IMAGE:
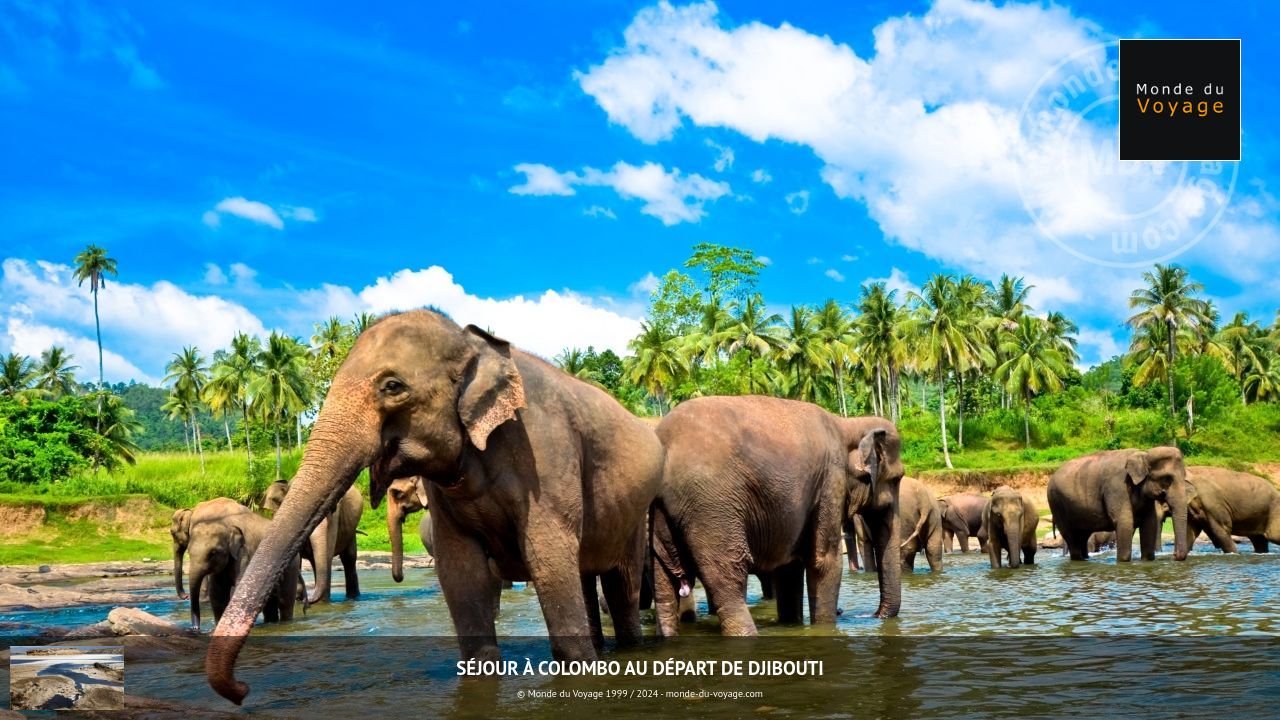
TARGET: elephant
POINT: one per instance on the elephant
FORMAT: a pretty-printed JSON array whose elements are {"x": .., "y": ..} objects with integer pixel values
[
  {"x": 180, "y": 529},
  {"x": 1118, "y": 490},
  {"x": 920, "y": 524},
  {"x": 1010, "y": 519},
  {"x": 544, "y": 474},
  {"x": 406, "y": 496},
  {"x": 336, "y": 536},
  {"x": 961, "y": 518},
  {"x": 1224, "y": 503},
  {"x": 220, "y": 550},
  {"x": 274, "y": 497},
  {"x": 1100, "y": 541},
  {"x": 762, "y": 484}
]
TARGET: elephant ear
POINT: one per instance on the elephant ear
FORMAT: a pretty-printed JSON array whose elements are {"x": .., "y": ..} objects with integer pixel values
[
  {"x": 421, "y": 489},
  {"x": 235, "y": 544},
  {"x": 1136, "y": 468},
  {"x": 492, "y": 389},
  {"x": 866, "y": 459}
]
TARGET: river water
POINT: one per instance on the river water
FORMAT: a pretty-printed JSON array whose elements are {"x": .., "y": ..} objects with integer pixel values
[{"x": 1055, "y": 639}]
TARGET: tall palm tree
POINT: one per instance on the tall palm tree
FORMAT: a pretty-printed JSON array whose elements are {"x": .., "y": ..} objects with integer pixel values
[
  {"x": 1007, "y": 302},
  {"x": 1242, "y": 341},
  {"x": 189, "y": 375},
  {"x": 754, "y": 330},
  {"x": 232, "y": 378},
  {"x": 973, "y": 297},
  {"x": 836, "y": 333},
  {"x": 220, "y": 397},
  {"x": 657, "y": 363},
  {"x": 362, "y": 322},
  {"x": 1035, "y": 364},
  {"x": 280, "y": 389},
  {"x": 948, "y": 338},
  {"x": 55, "y": 375},
  {"x": 1061, "y": 332},
  {"x": 94, "y": 265},
  {"x": 803, "y": 356},
  {"x": 331, "y": 335},
  {"x": 880, "y": 344},
  {"x": 116, "y": 437},
  {"x": 1169, "y": 299},
  {"x": 180, "y": 406},
  {"x": 16, "y": 374},
  {"x": 1263, "y": 378}
]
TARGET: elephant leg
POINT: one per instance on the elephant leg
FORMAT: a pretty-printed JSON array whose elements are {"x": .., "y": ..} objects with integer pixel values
[
  {"x": 767, "y": 591},
  {"x": 688, "y": 608},
  {"x": 993, "y": 552},
  {"x": 470, "y": 590},
  {"x": 271, "y": 611},
  {"x": 726, "y": 592},
  {"x": 1075, "y": 541},
  {"x": 220, "y": 594},
  {"x": 933, "y": 551},
  {"x": 622, "y": 593},
  {"x": 909, "y": 559},
  {"x": 1220, "y": 535},
  {"x": 946, "y": 541},
  {"x": 962, "y": 538},
  {"x": 1259, "y": 544},
  {"x": 592, "y": 600},
  {"x": 823, "y": 577},
  {"x": 665, "y": 601},
  {"x": 349, "y": 574},
  {"x": 1149, "y": 534},
  {"x": 552, "y": 559},
  {"x": 1124, "y": 534},
  {"x": 789, "y": 588}
]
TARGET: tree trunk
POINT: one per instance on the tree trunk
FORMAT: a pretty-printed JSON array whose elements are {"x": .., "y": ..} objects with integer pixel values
[
  {"x": 195, "y": 425},
  {"x": 879, "y": 393},
  {"x": 276, "y": 426},
  {"x": 226, "y": 425},
  {"x": 298, "y": 429},
  {"x": 186, "y": 436},
  {"x": 97, "y": 421},
  {"x": 942, "y": 416},
  {"x": 248, "y": 444},
  {"x": 960, "y": 409},
  {"x": 1168, "y": 373},
  {"x": 1026, "y": 420},
  {"x": 844, "y": 409}
]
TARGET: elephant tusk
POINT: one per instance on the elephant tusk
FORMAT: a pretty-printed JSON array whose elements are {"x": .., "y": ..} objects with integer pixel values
[{"x": 684, "y": 588}]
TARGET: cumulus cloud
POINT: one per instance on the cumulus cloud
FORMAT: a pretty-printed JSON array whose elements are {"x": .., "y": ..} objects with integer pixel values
[
  {"x": 798, "y": 202},
  {"x": 26, "y": 337},
  {"x": 897, "y": 280},
  {"x": 924, "y": 131},
  {"x": 1096, "y": 346},
  {"x": 645, "y": 285},
  {"x": 669, "y": 196},
  {"x": 256, "y": 212},
  {"x": 848, "y": 258},
  {"x": 761, "y": 176},
  {"x": 213, "y": 274},
  {"x": 599, "y": 211},
  {"x": 724, "y": 156},
  {"x": 834, "y": 275}
]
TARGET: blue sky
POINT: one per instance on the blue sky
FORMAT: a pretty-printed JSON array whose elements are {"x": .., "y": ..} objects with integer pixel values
[{"x": 530, "y": 167}]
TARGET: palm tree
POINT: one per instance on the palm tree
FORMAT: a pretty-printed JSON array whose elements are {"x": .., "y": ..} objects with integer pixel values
[
  {"x": 880, "y": 343},
  {"x": 16, "y": 374},
  {"x": 1169, "y": 299},
  {"x": 947, "y": 338},
  {"x": 94, "y": 265},
  {"x": 1007, "y": 302},
  {"x": 232, "y": 378},
  {"x": 836, "y": 333},
  {"x": 803, "y": 356},
  {"x": 330, "y": 338},
  {"x": 116, "y": 437},
  {"x": 972, "y": 297},
  {"x": 574, "y": 362},
  {"x": 55, "y": 375},
  {"x": 1035, "y": 364},
  {"x": 180, "y": 407},
  {"x": 362, "y": 322},
  {"x": 280, "y": 389},
  {"x": 189, "y": 375},
  {"x": 753, "y": 330},
  {"x": 1263, "y": 379},
  {"x": 1061, "y": 331},
  {"x": 657, "y": 363},
  {"x": 1242, "y": 341}
]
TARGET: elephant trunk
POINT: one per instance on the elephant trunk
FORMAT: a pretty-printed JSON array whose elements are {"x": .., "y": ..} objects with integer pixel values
[
  {"x": 1013, "y": 538},
  {"x": 395, "y": 528},
  {"x": 178, "y": 550},
  {"x": 1177, "y": 499},
  {"x": 321, "y": 560},
  {"x": 343, "y": 442},
  {"x": 197, "y": 581}
]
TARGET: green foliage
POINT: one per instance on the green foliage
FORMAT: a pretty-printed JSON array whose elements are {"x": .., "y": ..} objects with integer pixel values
[{"x": 43, "y": 441}]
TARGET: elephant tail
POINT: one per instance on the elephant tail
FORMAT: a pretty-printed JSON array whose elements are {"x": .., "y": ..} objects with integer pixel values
[{"x": 666, "y": 548}]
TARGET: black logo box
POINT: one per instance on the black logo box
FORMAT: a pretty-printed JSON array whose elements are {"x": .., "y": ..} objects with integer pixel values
[{"x": 1186, "y": 68}]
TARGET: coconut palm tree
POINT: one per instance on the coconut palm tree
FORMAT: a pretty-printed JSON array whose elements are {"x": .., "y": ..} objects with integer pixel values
[
  {"x": 1169, "y": 299},
  {"x": 948, "y": 338},
  {"x": 1034, "y": 364},
  {"x": 1062, "y": 331},
  {"x": 836, "y": 332},
  {"x": 94, "y": 265},
  {"x": 16, "y": 375},
  {"x": 973, "y": 297},
  {"x": 55, "y": 375},
  {"x": 1242, "y": 340},
  {"x": 753, "y": 330},
  {"x": 189, "y": 375},
  {"x": 219, "y": 397},
  {"x": 179, "y": 406},
  {"x": 330, "y": 338},
  {"x": 574, "y": 362},
  {"x": 657, "y": 363},
  {"x": 232, "y": 378},
  {"x": 115, "y": 440},
  {"x": 1263, "y": 379},
  {"x": 280, "y": 390},
  {"x": 879, "y": 343},
  {"x": 362, "y": 322},
  {"x": 803, "y": 357}
]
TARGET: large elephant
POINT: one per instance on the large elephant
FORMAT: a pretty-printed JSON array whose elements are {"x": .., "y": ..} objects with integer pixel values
[
  {"x": 180, "y": 530},
  {"x": 1224, "y": 502},
  {"x": 1010, "y": 519},
  {"x": 1119, "y": 490},
  {"x": 961, "y": 518},
  {"x": 220, "y": 551},
  {"x": 336, "y": 536},
  {"x": 404, "y": 497},
  {"x": 919, "y": 525},
  {"x": 761, "y": 484},
  {"x": 542, "y": 473}
]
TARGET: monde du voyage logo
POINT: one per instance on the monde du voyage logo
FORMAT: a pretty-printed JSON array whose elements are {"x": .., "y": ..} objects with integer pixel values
[{"x": 1180, "y": 100}]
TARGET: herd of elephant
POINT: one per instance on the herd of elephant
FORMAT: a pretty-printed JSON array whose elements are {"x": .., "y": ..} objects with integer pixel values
[{"x": 533, "y": 475}]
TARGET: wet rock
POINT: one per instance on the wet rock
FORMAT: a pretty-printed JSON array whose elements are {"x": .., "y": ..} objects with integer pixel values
[
  {"x": 130, "y": 621},
  {"x": 44, "y": 569},
  {"x": 43, "y": 597},
  {"x": 1050, "y": 542}
]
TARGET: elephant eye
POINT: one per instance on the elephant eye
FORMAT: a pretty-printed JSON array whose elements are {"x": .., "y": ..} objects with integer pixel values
[{"x": 393, "y": 387}]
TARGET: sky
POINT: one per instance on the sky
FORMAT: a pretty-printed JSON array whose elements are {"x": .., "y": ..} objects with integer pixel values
[{"x": 534, "y": 167}]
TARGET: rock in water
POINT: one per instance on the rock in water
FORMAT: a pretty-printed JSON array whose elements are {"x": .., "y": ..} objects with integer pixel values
[{"x": 132, "y": 621}]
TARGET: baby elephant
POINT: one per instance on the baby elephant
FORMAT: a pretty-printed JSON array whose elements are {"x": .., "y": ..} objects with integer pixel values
[
  {"x": 220, "y": 551},
  {"x": 1010, "y": 519}
]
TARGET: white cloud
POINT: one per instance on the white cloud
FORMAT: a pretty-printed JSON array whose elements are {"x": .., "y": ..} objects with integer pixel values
[
  {"x": 898, "y": 281},
  {"x": 599, "y": 211},
  {"x": 251, "y": 210},
  {"x": 301, "y": 214},
  {"x": 834, "y": 275},
  {"x": 798, "y": 202},
  {"x": 672, "y": 197},
  {"x": 645, "y": 285},
  {"x": 29, "y": 338},
  {"x": 761, "y": 176},
  {"x": 245, "y": 277},
  {"x": 213, "y": 274},
  {"x": 724, "y": 156},
  {"x": 44, "y": 303},
  {"x": 541, "y": 179},
  {"x": 765, "y": 260},
  {"x": 545, "y": 325},
  {"x": 212, "y": 219},
  {"x": 848, "y": 258},
  {"x": 1096, "y": 346}
]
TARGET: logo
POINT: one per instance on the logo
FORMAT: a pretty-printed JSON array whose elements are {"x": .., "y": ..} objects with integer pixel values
[{"x": 1180, "y": 100}]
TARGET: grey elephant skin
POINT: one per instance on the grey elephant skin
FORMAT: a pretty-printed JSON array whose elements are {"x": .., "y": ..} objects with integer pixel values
[
  {"x": 760, "y": 484},
  {"x": 335, "y": 536},
  {"x": 1011, "y": 519},
  {"x": 180, "y": 530},
  {"x": 919, "y": 525},
  {"x": 1225, "y": 502},
  {"x": 1118, "y": 491},
  {"x": 542, "y": 473},
  {"x": 406, "y": 496},
  {"x": 961, "y": 519},
  {"x": 220, "y": 550},
  {"x": 273, "y": 498}
]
